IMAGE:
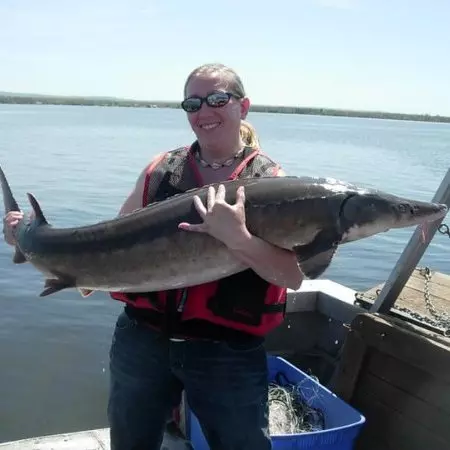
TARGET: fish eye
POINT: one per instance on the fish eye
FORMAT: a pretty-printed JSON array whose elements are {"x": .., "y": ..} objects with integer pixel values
[{"x": 406, "y": 207}]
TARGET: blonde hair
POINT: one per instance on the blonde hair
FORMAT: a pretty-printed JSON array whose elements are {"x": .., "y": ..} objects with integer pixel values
[
  {"x": 249, "y": 135},
  {"x": 247, "y": 132}
]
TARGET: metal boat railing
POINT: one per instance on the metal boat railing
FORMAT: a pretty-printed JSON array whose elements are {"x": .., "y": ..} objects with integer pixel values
[{"x": 411, "y": 255}]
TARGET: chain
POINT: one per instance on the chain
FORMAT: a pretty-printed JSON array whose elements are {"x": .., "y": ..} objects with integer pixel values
[
  {"x": 441, "y": 320},
  {"x": 444, "y": 229}
]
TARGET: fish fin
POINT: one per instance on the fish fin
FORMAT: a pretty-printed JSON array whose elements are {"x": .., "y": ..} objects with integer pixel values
[
  {"x": 53, "y": 285},
  {"x": 19, "y": 257},
  {"x": 315, "y": 257},
  {"x": 85, "y": 292},
  {"x": 315, "y": 266},
  {"x": 39, "y": 215},
  {"x": 325, "y": 240}
]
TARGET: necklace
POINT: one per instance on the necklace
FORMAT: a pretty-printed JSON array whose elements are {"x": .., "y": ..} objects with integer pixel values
[{"x": 217, "y": 165}]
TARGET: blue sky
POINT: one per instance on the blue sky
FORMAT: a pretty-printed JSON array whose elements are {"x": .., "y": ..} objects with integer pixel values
[{"x": 391, "y": 55}]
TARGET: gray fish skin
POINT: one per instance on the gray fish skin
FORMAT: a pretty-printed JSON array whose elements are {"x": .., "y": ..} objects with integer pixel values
[{"x": 146, "y": 251}]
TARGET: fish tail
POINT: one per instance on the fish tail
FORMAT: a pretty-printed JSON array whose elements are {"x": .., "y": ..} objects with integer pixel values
[
  {"x": 10, "y": 204},
  {"x": 8, "y": 198}
]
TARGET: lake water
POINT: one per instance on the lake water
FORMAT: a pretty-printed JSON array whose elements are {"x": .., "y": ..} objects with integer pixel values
[{"x": 81, "y": 162}]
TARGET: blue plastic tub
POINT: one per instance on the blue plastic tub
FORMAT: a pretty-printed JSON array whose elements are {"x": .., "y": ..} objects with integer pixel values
[{"x": 342, "y": 422}]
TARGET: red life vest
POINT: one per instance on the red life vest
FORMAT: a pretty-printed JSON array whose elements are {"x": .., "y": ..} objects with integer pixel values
[{"x": 240, "y": 303}]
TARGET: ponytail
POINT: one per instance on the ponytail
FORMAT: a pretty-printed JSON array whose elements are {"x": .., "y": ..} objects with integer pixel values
[{"x": 249, "y": 135}]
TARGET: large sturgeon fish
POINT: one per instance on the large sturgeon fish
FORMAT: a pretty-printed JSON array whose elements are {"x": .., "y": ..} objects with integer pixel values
[{"x": 146, "y": 251}]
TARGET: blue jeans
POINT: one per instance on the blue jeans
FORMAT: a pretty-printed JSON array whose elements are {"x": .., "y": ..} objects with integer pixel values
[{"x": 225, "y": 384}]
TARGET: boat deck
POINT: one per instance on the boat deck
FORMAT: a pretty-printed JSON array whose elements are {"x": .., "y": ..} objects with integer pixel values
[
  {"x": 412, "y": 298},
  {"x": 84, "y": 440}
]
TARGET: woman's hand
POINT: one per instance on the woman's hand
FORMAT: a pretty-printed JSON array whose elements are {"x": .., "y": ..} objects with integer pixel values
[
  {"x": 10, "y": 221},
  {"x": 227, "y": 223},
  {"x": 221, "y": 220}
]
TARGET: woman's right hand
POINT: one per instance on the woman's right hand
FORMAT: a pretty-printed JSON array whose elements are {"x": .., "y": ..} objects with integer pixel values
[{"x": 10, "y": 221}]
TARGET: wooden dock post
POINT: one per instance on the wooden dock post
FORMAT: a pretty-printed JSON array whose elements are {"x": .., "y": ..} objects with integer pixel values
[{"x": 411, "y": 255}]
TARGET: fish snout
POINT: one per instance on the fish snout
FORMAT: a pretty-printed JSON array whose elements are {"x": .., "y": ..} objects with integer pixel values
[{"x": 421, "y": 211}]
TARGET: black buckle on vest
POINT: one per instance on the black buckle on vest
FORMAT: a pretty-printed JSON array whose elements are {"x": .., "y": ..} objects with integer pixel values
[{"x": 243, "y": 310}]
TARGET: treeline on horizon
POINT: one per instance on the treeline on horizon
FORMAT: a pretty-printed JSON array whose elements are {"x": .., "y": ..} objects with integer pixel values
[{"x": 111, "y": 102}]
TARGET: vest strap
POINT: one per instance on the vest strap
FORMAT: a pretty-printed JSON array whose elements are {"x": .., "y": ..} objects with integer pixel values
[
  {"x": 172, "y": 316},
  {"x": 191, "y": 329},
  {"x": 151, "y": 297}
]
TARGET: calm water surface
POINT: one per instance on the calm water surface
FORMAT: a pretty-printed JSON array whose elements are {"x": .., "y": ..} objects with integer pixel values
[{"x": 81, "y": 162}]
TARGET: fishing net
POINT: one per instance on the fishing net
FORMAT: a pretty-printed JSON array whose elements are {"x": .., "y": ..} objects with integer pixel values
[{"x": 289, "y": 410}]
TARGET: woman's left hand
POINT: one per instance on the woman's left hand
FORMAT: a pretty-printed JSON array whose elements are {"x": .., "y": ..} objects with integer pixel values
[{"x": 221, "y": 220}]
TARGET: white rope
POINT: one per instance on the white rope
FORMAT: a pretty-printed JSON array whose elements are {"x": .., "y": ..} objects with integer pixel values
[{"x": 289, "y": 413}]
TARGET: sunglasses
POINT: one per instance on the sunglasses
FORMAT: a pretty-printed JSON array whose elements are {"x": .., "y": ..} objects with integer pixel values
[{"x": 215, "y": 100}]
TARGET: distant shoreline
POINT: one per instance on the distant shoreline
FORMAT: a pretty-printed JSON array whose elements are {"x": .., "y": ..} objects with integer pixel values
[{"x": 23, "y": 99}]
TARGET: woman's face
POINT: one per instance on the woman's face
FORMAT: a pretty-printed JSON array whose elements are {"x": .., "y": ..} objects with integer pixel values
[{"x": 216, "y": 127}]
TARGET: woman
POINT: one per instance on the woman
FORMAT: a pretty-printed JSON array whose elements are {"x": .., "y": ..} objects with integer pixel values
[{"x": 205, "y": 339}]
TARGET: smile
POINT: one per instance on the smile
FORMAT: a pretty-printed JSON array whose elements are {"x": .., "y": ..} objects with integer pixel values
[{"x": 209, "y": 126}]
